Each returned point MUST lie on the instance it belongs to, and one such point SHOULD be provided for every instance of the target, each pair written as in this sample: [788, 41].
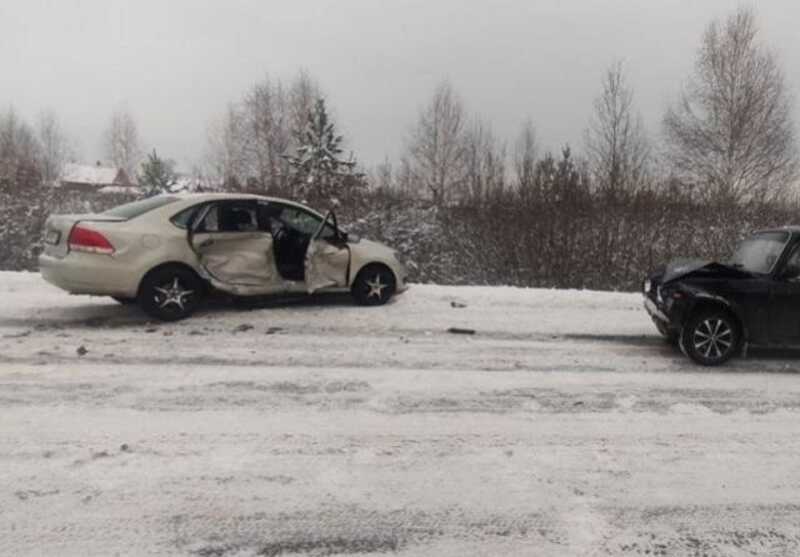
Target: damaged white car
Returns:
[167, 252]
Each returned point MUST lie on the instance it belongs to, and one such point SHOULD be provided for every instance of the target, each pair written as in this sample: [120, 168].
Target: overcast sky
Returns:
[175, 64]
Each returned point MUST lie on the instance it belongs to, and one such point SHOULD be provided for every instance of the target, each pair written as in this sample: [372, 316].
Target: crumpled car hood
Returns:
[682, 268]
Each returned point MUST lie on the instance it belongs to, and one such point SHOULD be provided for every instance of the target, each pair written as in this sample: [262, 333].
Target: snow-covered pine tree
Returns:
[157, 175]
[320, 174]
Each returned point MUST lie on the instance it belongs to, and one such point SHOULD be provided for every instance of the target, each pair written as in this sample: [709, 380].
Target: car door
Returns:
[327, 260]
[784, 306]
[234, 248]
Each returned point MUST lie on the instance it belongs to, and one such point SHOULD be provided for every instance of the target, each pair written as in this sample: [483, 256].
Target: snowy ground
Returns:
[564, 426]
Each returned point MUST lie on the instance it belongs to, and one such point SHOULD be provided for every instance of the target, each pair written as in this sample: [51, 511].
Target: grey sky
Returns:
[175, 64]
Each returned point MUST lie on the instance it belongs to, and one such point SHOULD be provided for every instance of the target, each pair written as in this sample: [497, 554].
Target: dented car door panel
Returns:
[234, 252]
[327, 265]
[239, 261]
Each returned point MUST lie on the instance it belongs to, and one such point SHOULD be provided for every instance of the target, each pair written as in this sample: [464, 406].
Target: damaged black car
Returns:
[714, 311]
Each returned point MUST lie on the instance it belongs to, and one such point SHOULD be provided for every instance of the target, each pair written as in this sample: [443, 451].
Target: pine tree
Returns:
[158, 175]
[320, 174]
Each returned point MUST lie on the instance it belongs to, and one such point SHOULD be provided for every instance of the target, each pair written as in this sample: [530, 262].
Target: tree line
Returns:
[472, 207]
[729, 134]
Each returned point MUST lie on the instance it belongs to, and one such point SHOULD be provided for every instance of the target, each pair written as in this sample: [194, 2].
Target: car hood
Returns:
[685, 268]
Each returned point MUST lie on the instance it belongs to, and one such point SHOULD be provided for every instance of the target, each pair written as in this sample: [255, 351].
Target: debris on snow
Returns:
[82, 350]
[23, 334]
[459, 305]
[460, 331]
[244, 327]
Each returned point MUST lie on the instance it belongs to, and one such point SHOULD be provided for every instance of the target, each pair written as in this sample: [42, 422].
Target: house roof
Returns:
[125, 190]
[88, 174]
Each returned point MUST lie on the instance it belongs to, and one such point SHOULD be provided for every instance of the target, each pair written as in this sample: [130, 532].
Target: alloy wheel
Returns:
[374, 286]
[173, 293]
[170, 293]
[713, 337]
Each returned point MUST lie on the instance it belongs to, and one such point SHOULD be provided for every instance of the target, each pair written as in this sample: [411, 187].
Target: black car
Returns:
[715, 310]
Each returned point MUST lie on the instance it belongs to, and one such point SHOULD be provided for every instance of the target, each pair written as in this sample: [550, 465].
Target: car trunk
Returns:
[58, 227]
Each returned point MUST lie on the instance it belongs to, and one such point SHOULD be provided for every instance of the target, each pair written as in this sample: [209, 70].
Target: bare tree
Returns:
[303, 94]
[19, 154]
[122, 143]
[731, 134]
[525, 155]
[435, 151]
[55, 147]
[225, 156]
[382, 177]
[247, 146]
[617, 148]
[267, 137]
[484, 161]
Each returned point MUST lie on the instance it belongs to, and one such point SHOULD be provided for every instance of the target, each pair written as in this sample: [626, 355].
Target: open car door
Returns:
[234, 249]
[327, 262]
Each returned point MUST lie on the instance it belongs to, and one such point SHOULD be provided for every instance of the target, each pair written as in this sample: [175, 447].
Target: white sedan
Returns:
[166, 252]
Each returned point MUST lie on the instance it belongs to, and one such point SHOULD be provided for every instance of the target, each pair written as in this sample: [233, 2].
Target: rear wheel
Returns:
[170, 293]
[711, 337]
[374, 285]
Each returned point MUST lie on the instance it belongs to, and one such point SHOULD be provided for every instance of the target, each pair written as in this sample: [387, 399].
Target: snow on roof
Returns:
[127, 190]
[88, 174]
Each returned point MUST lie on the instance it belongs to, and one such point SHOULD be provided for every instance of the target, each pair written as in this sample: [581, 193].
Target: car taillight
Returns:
[88, 240]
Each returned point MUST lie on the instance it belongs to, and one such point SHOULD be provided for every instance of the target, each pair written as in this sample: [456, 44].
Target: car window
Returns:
[138, 208]
[759, 253]
[792, 267]
[230, 217]
[210, 222]
[299, 220]
[185, 217]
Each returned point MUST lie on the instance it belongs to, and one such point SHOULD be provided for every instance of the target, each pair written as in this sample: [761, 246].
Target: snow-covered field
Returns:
[564, 426]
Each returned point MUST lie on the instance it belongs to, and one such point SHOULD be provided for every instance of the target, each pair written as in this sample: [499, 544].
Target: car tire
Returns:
[170, 293]
[124, 301]
[711, 337]
[374, 286]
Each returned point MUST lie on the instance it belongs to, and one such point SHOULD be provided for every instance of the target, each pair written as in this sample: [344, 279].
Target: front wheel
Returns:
[710, 337]
[374, 285]
[170, 293]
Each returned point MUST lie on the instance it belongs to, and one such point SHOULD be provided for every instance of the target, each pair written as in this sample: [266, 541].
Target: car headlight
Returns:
[647, 286]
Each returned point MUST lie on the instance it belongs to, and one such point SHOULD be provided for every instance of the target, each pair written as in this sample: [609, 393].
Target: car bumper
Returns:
[661, 319]
[84, 273]
[654, 311]
[402, 285]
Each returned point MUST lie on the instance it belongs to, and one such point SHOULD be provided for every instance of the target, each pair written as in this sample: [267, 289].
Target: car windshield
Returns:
[138, 208]
[759, 253]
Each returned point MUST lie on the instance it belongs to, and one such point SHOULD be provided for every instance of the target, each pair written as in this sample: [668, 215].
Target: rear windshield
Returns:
[138, 208]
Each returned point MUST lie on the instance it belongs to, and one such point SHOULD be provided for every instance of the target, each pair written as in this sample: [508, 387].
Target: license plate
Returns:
[52, 237]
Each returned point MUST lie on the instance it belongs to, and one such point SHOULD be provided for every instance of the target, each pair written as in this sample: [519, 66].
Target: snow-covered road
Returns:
[564, 426]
